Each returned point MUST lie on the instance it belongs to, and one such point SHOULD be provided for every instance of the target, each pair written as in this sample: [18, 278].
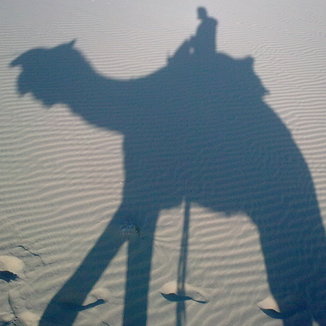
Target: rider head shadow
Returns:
[201, 46]
[196, 131]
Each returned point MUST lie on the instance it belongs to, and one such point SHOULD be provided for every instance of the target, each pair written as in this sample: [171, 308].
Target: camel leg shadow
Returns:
[294, 252]
[138, 278]
[79, 285]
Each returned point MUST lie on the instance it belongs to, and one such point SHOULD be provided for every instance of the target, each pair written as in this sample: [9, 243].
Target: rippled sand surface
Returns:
[65, 172]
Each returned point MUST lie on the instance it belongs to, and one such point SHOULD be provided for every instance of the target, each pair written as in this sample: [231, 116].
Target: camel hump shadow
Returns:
[191, 129]
[197, 130]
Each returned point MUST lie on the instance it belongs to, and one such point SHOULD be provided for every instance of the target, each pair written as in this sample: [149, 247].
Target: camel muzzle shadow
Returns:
[195, 131]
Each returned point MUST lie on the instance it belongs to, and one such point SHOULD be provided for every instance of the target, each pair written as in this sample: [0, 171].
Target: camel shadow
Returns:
[196, 131]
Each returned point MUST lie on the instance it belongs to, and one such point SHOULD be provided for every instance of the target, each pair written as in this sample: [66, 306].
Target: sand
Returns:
[63, 174]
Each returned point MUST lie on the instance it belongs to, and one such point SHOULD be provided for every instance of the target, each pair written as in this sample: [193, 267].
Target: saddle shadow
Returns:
[196, 131]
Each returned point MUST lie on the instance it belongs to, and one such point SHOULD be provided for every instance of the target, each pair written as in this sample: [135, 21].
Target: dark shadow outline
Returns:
[193, 110]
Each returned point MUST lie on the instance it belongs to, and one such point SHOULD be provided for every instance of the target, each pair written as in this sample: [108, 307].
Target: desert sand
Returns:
[146, 180]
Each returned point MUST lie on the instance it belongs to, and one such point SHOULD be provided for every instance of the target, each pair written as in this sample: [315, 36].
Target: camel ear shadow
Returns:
[16, 62]
[66, 46]
[71, 43]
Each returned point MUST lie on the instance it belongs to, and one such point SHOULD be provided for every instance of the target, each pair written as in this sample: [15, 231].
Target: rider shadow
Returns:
[195, 131]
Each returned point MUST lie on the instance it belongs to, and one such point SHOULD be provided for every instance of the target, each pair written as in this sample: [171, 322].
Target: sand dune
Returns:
[65, 171]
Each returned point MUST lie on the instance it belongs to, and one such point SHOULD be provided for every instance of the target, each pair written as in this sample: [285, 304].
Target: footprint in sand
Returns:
[11, 268]
[129, 230]
[174, 292]
[291, 304]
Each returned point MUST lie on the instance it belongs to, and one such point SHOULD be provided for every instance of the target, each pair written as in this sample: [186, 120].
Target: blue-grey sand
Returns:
[162, 163]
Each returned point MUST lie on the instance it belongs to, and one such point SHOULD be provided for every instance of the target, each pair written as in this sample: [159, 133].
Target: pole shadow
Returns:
[195, 131]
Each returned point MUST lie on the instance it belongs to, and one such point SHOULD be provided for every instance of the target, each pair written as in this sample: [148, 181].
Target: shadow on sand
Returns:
[195, 131]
